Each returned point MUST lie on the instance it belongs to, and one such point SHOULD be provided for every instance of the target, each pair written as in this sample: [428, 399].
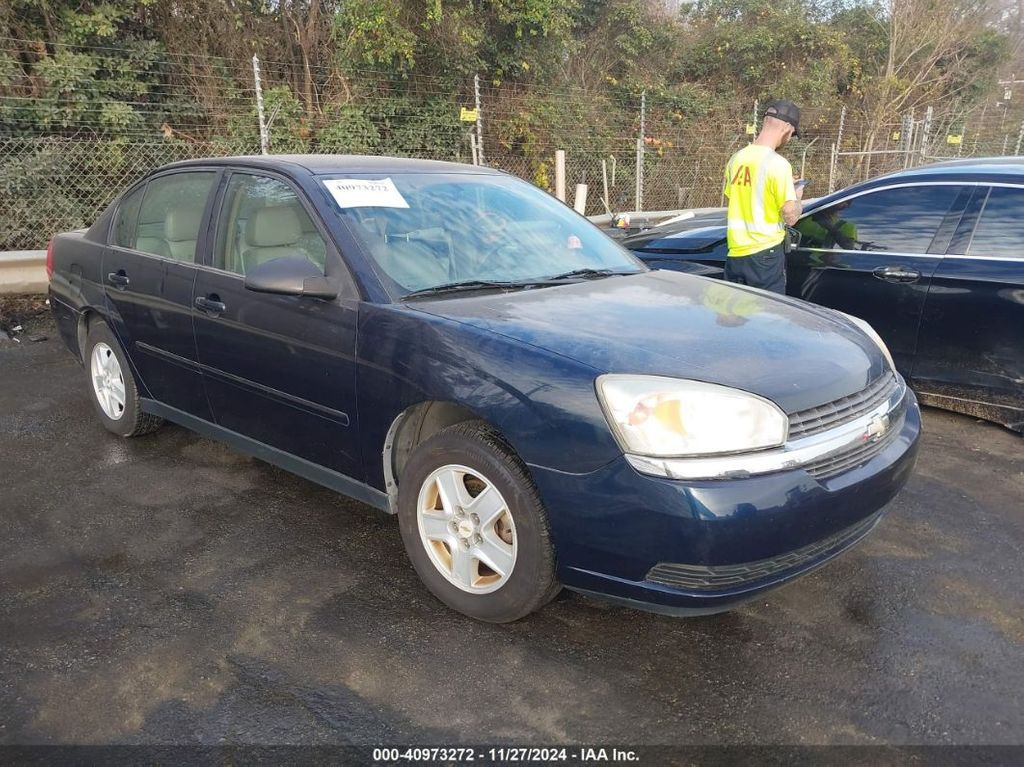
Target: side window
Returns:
[171, 214]
[902, 220]
[127, 219]
[262, 218]
[999, 232]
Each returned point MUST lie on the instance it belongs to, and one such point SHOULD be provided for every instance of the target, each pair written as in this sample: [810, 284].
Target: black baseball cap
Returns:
[786, 111]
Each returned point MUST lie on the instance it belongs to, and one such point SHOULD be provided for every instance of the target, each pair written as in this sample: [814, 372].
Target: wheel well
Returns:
[88, 317]
[415, 425]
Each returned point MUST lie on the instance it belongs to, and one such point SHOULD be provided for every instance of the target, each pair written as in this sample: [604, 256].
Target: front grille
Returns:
[824, 417]
[719, 577]
[852, 457]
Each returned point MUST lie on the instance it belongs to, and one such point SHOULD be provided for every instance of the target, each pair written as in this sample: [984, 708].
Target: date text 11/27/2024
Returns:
[503, 754]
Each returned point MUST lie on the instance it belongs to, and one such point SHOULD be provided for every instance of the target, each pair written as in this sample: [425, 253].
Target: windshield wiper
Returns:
[455, 287]
[557, 279]
[589, 274]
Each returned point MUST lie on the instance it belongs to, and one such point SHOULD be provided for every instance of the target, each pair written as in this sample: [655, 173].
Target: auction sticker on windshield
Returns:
[365, 193]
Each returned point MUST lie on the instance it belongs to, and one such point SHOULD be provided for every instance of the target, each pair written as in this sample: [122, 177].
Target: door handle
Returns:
[119, 279]
[897, 274]
[211, 304]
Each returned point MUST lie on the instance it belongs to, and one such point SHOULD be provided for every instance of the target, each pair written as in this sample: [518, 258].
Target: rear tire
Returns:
[115, 395]
[474, 526]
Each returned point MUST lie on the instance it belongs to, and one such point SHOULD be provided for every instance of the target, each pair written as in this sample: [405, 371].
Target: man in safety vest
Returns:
[763, 200]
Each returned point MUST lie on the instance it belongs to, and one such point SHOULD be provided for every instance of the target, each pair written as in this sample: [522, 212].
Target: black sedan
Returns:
[932, 257]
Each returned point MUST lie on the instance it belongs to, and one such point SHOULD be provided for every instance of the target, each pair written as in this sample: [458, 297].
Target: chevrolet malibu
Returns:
[454, 346]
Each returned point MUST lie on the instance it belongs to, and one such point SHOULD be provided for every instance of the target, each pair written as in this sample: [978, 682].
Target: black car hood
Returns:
[670, 324]
[690, 239]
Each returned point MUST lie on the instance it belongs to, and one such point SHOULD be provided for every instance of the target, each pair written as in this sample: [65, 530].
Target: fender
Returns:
[558, 425]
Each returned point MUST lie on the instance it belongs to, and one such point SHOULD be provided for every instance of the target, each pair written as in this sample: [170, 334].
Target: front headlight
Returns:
[873, 335]
[671, 417]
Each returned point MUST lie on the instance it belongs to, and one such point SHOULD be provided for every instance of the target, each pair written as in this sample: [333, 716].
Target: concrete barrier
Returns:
[23, 271]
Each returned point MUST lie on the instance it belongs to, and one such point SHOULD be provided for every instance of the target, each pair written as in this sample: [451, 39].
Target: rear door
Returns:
[278, 369]
[972, 333]
[149, 268]
[872, 256]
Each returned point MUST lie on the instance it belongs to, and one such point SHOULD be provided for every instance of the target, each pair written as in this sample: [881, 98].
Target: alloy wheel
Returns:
[466, 528]
[107, 381]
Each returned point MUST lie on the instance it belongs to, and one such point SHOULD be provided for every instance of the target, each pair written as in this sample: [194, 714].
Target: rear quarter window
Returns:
[126, 219]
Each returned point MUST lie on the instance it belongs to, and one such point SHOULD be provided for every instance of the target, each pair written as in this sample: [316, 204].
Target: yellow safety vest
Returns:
[758, 182]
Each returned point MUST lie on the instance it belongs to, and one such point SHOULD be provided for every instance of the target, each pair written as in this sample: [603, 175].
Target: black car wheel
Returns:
[474, 526]
[114, 393]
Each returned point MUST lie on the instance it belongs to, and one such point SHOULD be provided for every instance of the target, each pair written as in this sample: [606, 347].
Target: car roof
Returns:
[975, 168]
[325, 164]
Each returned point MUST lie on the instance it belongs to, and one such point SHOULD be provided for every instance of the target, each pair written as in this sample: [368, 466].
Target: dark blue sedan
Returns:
[452, 345]
[932, 258]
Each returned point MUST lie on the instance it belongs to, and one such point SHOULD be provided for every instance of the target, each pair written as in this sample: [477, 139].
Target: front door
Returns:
[149, 270]
[278, 369]
[869, 256]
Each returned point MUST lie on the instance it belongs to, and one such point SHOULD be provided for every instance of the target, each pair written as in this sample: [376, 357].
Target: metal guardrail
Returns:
[648, 216]
[23, 271]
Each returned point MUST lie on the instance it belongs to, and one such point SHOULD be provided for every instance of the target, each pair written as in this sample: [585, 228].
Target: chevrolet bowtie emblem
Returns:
[877, 426]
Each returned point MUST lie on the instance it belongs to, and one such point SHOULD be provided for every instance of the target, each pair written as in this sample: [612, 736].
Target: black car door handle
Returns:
[211, 305]
[897, 274]
[118, 279]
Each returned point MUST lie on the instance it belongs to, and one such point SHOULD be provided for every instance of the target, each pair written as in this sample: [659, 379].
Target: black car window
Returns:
[1000, 232]
[171, 214]
[127, 218]
[900, 220]
[262, 218]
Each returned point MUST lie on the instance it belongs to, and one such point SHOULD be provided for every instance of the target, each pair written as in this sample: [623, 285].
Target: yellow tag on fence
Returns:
[895, 135]
[750, 129]
[954, 139]
[468, 115]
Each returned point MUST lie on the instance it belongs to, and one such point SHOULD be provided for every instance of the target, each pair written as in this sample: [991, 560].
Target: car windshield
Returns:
[436, 230]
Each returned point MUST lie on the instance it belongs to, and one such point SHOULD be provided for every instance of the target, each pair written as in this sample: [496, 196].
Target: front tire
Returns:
[115, 395]
[474, 527]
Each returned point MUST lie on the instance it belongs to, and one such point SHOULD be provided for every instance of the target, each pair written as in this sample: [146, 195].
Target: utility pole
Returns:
[479, 121]
[640, 153]
[264, 133]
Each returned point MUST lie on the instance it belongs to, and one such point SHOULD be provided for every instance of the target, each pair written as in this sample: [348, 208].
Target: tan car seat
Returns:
[272, 233]
[181, 231]
[149, 235]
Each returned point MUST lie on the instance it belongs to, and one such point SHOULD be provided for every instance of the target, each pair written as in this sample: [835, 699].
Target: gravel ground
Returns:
[170, 590]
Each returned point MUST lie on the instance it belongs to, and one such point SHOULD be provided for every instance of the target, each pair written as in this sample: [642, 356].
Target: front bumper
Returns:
[704, 546]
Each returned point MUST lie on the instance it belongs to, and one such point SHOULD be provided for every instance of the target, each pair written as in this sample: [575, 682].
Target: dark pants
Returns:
[764, 269]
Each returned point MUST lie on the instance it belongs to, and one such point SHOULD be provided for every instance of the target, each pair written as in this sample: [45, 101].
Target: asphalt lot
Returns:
[170, 590]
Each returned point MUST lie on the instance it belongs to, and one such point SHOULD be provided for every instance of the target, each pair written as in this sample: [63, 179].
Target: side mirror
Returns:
[290, 276]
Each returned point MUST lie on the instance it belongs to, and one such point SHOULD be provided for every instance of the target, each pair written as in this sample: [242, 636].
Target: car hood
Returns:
[670, 324]
[691, 239]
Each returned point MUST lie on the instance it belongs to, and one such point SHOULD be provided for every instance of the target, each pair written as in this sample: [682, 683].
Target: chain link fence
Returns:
[51, 184]
[633, 152]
